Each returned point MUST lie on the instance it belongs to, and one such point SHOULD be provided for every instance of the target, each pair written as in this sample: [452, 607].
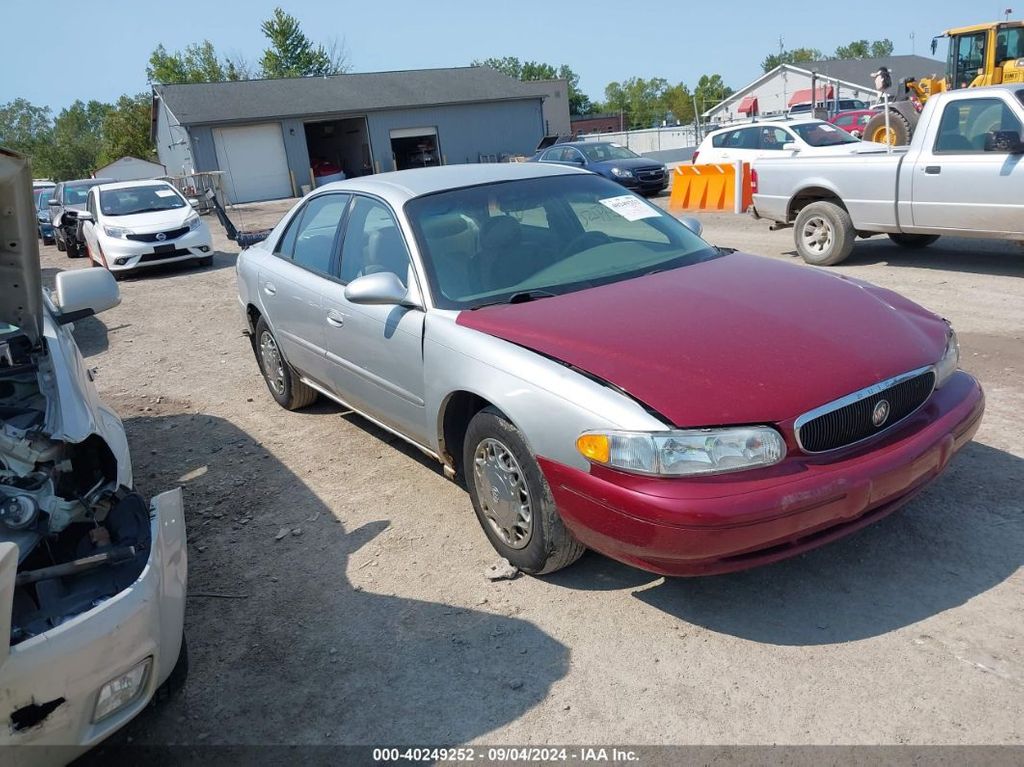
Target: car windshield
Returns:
[519, 240]
[77, 194]
[43, 199]
[602, 152]
[823, 134]
[139, 199]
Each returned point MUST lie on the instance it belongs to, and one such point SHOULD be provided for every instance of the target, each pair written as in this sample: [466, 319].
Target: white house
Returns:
[130, 169]
[775, 92]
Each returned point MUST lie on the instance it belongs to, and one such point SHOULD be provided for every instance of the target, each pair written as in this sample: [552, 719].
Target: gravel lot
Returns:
[337, 579]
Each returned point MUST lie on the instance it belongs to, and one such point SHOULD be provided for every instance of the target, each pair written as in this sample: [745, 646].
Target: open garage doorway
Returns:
[415, 148]
[339, 146]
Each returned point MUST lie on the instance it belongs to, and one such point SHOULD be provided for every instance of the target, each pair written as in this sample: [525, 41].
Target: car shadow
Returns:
[933, 555]
[995, 257]
[279, 636]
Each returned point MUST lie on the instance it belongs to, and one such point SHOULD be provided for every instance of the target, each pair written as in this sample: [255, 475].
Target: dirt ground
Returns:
[337, 589]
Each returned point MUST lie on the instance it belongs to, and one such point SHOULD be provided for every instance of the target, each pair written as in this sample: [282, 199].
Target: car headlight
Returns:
[684, 453]
[622, 172]
[117, 231]
[122, 691]
[192, 221]
[950, 360]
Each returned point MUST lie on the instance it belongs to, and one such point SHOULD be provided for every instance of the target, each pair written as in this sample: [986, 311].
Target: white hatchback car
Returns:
[755, 141]
[92, 577]
[142, 223]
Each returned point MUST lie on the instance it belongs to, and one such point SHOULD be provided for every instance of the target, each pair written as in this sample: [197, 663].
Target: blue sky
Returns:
[602, 40]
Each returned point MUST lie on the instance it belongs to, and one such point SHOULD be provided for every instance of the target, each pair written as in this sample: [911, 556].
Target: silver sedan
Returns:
[596, 373]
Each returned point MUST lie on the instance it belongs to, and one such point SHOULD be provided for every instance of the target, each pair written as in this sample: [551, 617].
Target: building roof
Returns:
[859, 70]
[598, 116]
[247, 100]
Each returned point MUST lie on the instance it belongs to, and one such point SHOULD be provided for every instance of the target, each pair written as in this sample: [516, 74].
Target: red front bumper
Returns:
[733, 522]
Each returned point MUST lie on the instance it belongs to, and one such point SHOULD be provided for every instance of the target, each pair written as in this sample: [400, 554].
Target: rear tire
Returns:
[824, 234]
[283, 383]
[899, 129]
[511, 498]
[914, 241]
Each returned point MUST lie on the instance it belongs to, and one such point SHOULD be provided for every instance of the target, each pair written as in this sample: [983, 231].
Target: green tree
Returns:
[641, 100]
[795, 56]
[293, 54]
[77, 140]
[710, 90]
[28, 129]
[126, 129]
[579, 102]
[881, 49]
[678, 100]
[198, 63]
[862, 49]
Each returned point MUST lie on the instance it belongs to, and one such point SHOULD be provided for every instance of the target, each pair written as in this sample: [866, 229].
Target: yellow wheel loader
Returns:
[982, 54]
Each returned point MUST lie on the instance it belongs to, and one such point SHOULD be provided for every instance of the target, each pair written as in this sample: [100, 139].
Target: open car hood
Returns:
[21, 298]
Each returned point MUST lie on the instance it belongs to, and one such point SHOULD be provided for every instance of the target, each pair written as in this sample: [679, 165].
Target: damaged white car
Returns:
[92, 578]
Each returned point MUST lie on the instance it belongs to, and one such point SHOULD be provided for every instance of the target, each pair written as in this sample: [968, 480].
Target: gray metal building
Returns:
[272, 137]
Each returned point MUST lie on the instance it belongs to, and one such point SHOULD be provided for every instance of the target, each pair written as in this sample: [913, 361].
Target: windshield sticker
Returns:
[629, 207]
[827, 128]
[165, 193]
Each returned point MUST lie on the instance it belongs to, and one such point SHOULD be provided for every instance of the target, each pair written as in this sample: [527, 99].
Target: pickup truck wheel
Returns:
[511, 498]
[914, 241]
[284, 385]
[60, 243]
[824, 234]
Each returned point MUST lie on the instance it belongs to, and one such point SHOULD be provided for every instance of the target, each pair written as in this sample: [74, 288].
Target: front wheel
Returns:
[914, 241]
[824, 234]
[74, 250]
[511, 498]
[284, 385]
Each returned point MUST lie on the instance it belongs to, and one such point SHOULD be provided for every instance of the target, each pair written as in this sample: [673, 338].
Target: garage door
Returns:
[255, 165]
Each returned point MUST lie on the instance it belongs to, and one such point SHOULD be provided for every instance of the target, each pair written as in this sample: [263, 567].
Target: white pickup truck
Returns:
[962, 175]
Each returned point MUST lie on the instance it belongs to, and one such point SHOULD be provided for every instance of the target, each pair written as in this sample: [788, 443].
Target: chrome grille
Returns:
[849, 420]
[171, 234]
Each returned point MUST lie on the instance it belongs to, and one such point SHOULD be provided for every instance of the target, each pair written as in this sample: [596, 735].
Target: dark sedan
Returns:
[639, 174]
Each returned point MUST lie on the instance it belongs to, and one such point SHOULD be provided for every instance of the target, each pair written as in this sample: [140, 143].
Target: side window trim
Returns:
[414, 268]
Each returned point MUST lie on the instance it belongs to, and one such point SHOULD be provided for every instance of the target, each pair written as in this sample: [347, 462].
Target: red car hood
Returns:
[736, 339]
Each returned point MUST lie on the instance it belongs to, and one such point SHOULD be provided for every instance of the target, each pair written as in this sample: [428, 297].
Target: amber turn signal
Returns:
[594, 447]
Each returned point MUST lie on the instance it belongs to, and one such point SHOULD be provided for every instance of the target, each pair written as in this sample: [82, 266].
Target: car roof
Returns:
[86, 181]
[767, 123]
[400, 186]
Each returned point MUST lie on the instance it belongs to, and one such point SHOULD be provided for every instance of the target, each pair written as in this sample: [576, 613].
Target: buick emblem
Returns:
[161, 236]
[881, 412]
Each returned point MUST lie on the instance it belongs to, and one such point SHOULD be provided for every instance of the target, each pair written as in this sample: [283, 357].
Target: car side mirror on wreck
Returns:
[379, 288]
[84, 292]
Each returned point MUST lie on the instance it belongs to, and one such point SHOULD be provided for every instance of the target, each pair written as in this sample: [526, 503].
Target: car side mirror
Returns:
[53, 202]
[193, 202]
[692, 224]
[84, 292]
[379, 288]
[84, 215]
[1004, 141]
[790, 146]
[578, 161]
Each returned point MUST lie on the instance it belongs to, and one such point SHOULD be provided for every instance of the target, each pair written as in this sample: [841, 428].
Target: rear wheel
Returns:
[897, 134]
[824, 234]
[914, 241]
[284, 385]
[511, 498]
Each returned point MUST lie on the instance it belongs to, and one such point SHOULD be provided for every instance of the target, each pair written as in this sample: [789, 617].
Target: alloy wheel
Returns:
[817, 235]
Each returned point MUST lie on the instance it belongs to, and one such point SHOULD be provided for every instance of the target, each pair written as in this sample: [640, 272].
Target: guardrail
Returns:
[711, 187]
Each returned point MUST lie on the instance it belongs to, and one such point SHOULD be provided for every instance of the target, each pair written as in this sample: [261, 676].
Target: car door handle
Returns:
[269, 289]
[933, 170]
[335, 319]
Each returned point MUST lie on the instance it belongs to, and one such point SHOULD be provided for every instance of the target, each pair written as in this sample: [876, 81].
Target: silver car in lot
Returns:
[599, 375]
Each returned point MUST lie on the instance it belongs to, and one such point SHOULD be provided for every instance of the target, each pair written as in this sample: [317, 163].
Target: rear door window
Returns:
[310, 238]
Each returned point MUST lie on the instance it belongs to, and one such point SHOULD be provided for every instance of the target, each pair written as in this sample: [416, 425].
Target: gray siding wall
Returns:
[172, 143]
[465, 131]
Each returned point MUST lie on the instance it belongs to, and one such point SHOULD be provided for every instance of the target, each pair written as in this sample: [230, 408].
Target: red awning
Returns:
[749, 105]
[803, 96]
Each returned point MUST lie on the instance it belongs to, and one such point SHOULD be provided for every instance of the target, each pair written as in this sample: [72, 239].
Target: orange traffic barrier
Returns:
[709, 187]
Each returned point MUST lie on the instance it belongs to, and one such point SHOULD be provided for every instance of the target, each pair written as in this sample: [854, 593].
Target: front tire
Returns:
[74, 250]
[511, 498]
[824, 234]
[60, 243]
[284, 385]
[914, 241]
